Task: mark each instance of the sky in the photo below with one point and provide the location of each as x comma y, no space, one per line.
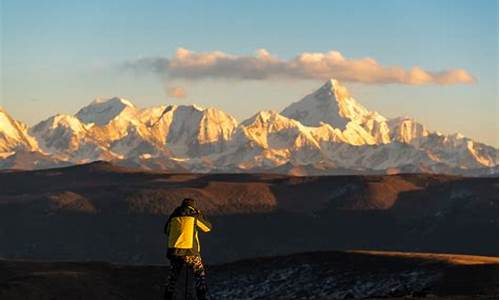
433,60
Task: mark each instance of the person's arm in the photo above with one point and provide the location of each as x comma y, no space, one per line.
203,223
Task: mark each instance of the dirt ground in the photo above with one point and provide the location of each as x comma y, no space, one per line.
317,275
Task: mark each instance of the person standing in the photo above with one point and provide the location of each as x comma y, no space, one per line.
181,229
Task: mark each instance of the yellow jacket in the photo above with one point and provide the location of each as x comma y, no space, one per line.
182,231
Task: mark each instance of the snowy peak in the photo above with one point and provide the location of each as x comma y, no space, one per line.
14,135
332,87
271,130
188,129
56,129
331,104
67,138
113,101
266,118
406,130
103,111
216,125
60,120
8,126
191,129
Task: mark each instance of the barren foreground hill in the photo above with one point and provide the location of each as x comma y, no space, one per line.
318,275
103,212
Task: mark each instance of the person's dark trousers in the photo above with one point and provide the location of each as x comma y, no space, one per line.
196,265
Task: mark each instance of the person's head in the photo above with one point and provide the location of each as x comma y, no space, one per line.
188,202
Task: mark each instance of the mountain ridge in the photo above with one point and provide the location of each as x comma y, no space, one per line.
326,128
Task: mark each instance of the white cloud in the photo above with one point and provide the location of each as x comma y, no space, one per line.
186,64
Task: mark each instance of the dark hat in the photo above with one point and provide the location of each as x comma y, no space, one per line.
188,202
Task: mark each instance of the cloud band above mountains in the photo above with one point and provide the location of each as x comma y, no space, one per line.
186,64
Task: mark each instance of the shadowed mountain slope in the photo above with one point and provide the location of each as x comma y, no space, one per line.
100,211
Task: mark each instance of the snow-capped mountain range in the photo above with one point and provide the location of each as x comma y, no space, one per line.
327,132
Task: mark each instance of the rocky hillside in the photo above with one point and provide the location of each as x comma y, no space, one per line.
100,211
